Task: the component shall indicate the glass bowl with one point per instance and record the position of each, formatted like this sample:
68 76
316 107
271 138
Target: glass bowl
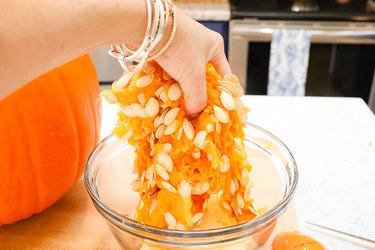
108 177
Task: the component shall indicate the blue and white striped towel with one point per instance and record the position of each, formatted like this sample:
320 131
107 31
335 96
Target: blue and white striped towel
290 50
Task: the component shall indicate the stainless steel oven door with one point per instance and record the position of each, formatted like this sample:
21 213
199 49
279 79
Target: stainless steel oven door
241 32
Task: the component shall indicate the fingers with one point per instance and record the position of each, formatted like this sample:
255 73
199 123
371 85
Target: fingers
219 61
195 92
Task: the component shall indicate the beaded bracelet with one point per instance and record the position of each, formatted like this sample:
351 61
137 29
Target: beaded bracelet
171 37
158 12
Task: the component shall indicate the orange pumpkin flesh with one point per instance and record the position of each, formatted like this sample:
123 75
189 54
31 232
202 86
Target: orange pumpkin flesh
47 130
164 197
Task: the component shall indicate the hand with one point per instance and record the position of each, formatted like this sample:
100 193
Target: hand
185 60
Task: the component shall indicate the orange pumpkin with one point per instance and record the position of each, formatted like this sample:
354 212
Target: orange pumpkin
47 130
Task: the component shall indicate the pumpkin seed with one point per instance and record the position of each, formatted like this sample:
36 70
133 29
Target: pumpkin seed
168 186
184 189
171 116
165 160
237 211
188 129
224 164
160 131
252 210
149 173
227 100
214 119
143 176
171 128
164 96
144 81
221 88
153 205
200 139
142 99
237 144
152 153
221 114
152 107
240 201
160 120
109 97
236 185
196 218
167 147
226 206
247 193
180 226
157 122
210 127
128 111
122 82
231 78
138 110
245 179
210 157
179 133
239 91
228 85
148 68
218 127
204 206
232 187
219 194
239 104
161 172
141 204
174 92
200 188
160 90
170 220
196 153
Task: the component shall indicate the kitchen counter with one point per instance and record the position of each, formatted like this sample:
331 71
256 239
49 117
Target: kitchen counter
332 140
206 11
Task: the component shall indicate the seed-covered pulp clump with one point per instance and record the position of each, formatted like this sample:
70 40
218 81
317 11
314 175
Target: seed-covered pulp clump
188 169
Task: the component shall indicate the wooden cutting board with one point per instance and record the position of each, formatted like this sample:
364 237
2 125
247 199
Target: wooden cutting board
73 223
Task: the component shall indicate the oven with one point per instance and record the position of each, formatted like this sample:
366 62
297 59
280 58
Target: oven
342 53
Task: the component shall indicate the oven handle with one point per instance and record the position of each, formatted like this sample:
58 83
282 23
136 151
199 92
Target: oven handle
321 32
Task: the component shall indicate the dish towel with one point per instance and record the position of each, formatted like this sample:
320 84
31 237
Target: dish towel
290 50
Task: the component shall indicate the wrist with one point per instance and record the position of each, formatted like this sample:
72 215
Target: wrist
160 18
169 34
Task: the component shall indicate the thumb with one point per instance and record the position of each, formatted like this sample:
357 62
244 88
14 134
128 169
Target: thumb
220 62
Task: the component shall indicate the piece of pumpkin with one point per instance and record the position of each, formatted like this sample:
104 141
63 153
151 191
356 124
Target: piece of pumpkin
47 130
189 169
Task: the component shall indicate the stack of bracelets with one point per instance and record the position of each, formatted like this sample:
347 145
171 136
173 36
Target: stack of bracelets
158 12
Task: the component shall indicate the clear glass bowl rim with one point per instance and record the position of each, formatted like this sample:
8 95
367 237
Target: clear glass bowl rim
255 224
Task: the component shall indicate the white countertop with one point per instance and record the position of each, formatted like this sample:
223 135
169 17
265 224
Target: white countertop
206 11
333 142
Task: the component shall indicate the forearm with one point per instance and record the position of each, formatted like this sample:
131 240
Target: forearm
38 35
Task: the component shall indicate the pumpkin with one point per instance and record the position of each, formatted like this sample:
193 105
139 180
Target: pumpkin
47 130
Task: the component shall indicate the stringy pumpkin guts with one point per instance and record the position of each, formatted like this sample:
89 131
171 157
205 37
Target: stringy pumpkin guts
189 170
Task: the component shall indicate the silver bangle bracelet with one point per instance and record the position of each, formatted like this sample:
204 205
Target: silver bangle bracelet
171 37
158 12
